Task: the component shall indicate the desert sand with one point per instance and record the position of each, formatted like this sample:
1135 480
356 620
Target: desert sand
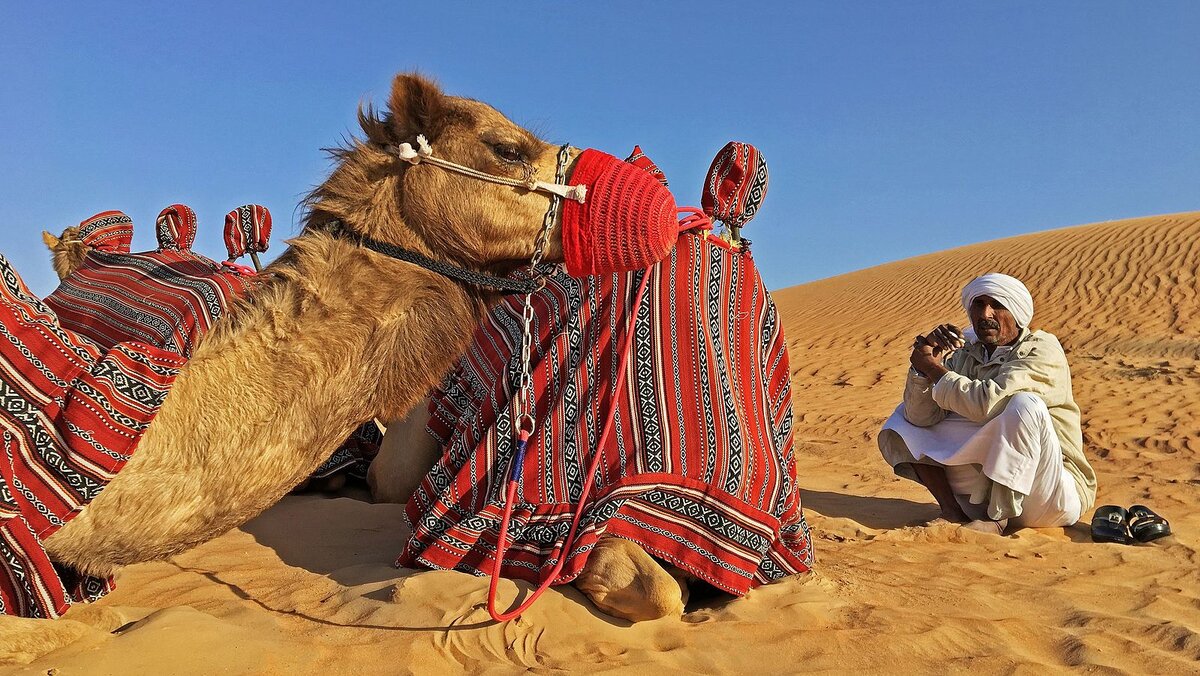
308 587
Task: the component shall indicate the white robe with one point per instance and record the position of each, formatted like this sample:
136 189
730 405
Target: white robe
1017 450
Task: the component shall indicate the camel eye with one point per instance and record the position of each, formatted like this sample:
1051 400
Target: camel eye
508 153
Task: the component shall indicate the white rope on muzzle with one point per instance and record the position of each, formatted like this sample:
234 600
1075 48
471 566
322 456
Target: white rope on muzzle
424 153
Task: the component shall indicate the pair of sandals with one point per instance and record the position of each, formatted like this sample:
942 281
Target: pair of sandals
1123 526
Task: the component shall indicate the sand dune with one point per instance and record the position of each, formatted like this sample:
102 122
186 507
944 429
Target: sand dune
309 586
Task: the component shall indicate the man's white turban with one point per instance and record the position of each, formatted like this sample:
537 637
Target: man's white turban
1009 291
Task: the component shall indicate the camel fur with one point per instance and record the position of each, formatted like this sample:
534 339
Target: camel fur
67 251
405 456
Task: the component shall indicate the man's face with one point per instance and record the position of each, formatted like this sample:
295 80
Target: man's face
993 323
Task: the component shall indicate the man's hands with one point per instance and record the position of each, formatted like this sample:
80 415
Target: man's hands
945 339
928 351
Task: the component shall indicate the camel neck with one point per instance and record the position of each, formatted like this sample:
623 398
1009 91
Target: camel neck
335 337
504 285
371 333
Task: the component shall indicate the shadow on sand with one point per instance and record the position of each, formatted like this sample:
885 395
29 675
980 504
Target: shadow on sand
351 541
872 512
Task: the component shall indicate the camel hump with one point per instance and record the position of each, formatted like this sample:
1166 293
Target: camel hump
175 228
247 230
107 231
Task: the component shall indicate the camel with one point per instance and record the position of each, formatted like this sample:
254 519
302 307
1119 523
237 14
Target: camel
618 576
67 251
337 335
323 344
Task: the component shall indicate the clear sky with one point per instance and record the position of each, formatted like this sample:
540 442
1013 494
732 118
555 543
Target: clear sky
890 128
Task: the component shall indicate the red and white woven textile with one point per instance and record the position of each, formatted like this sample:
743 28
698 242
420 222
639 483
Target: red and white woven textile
167 298
736 184
170 299
247 230
71 414
107 231
699 469
175 228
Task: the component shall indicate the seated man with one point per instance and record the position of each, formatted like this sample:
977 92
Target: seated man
988 422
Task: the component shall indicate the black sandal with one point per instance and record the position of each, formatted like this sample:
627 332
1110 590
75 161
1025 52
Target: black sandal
1110 524
1145 525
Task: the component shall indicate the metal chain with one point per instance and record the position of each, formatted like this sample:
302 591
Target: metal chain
524 409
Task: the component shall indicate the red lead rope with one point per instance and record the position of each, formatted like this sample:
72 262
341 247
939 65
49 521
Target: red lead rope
511 494
696 219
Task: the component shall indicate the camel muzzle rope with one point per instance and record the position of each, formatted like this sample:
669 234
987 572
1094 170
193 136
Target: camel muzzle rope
423 153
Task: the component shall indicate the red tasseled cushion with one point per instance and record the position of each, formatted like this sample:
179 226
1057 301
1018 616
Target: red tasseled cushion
176 227
736 184
247 229
638 159
107 231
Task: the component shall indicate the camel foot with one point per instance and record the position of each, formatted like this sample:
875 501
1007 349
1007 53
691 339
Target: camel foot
626 582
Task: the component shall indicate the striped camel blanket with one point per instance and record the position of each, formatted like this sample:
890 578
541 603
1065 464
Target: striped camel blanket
170 298
699 469
71 413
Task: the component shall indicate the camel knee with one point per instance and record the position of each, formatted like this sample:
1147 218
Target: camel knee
406 455
626 582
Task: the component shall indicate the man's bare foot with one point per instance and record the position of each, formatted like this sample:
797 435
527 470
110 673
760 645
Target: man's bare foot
954 516
987 526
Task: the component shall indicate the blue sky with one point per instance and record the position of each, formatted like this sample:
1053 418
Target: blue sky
890 128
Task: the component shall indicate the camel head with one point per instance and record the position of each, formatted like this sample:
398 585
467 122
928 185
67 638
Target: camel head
67 251
445 214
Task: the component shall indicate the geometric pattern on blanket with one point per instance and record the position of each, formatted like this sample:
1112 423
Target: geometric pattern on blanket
71 413
167 298
699 469
247 230
736 184
107 231
354 456
175 228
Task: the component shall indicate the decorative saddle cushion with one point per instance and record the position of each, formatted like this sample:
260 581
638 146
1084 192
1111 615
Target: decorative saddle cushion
247 230
108 231
175 228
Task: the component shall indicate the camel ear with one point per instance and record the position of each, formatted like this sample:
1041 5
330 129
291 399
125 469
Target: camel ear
50 240
417 105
